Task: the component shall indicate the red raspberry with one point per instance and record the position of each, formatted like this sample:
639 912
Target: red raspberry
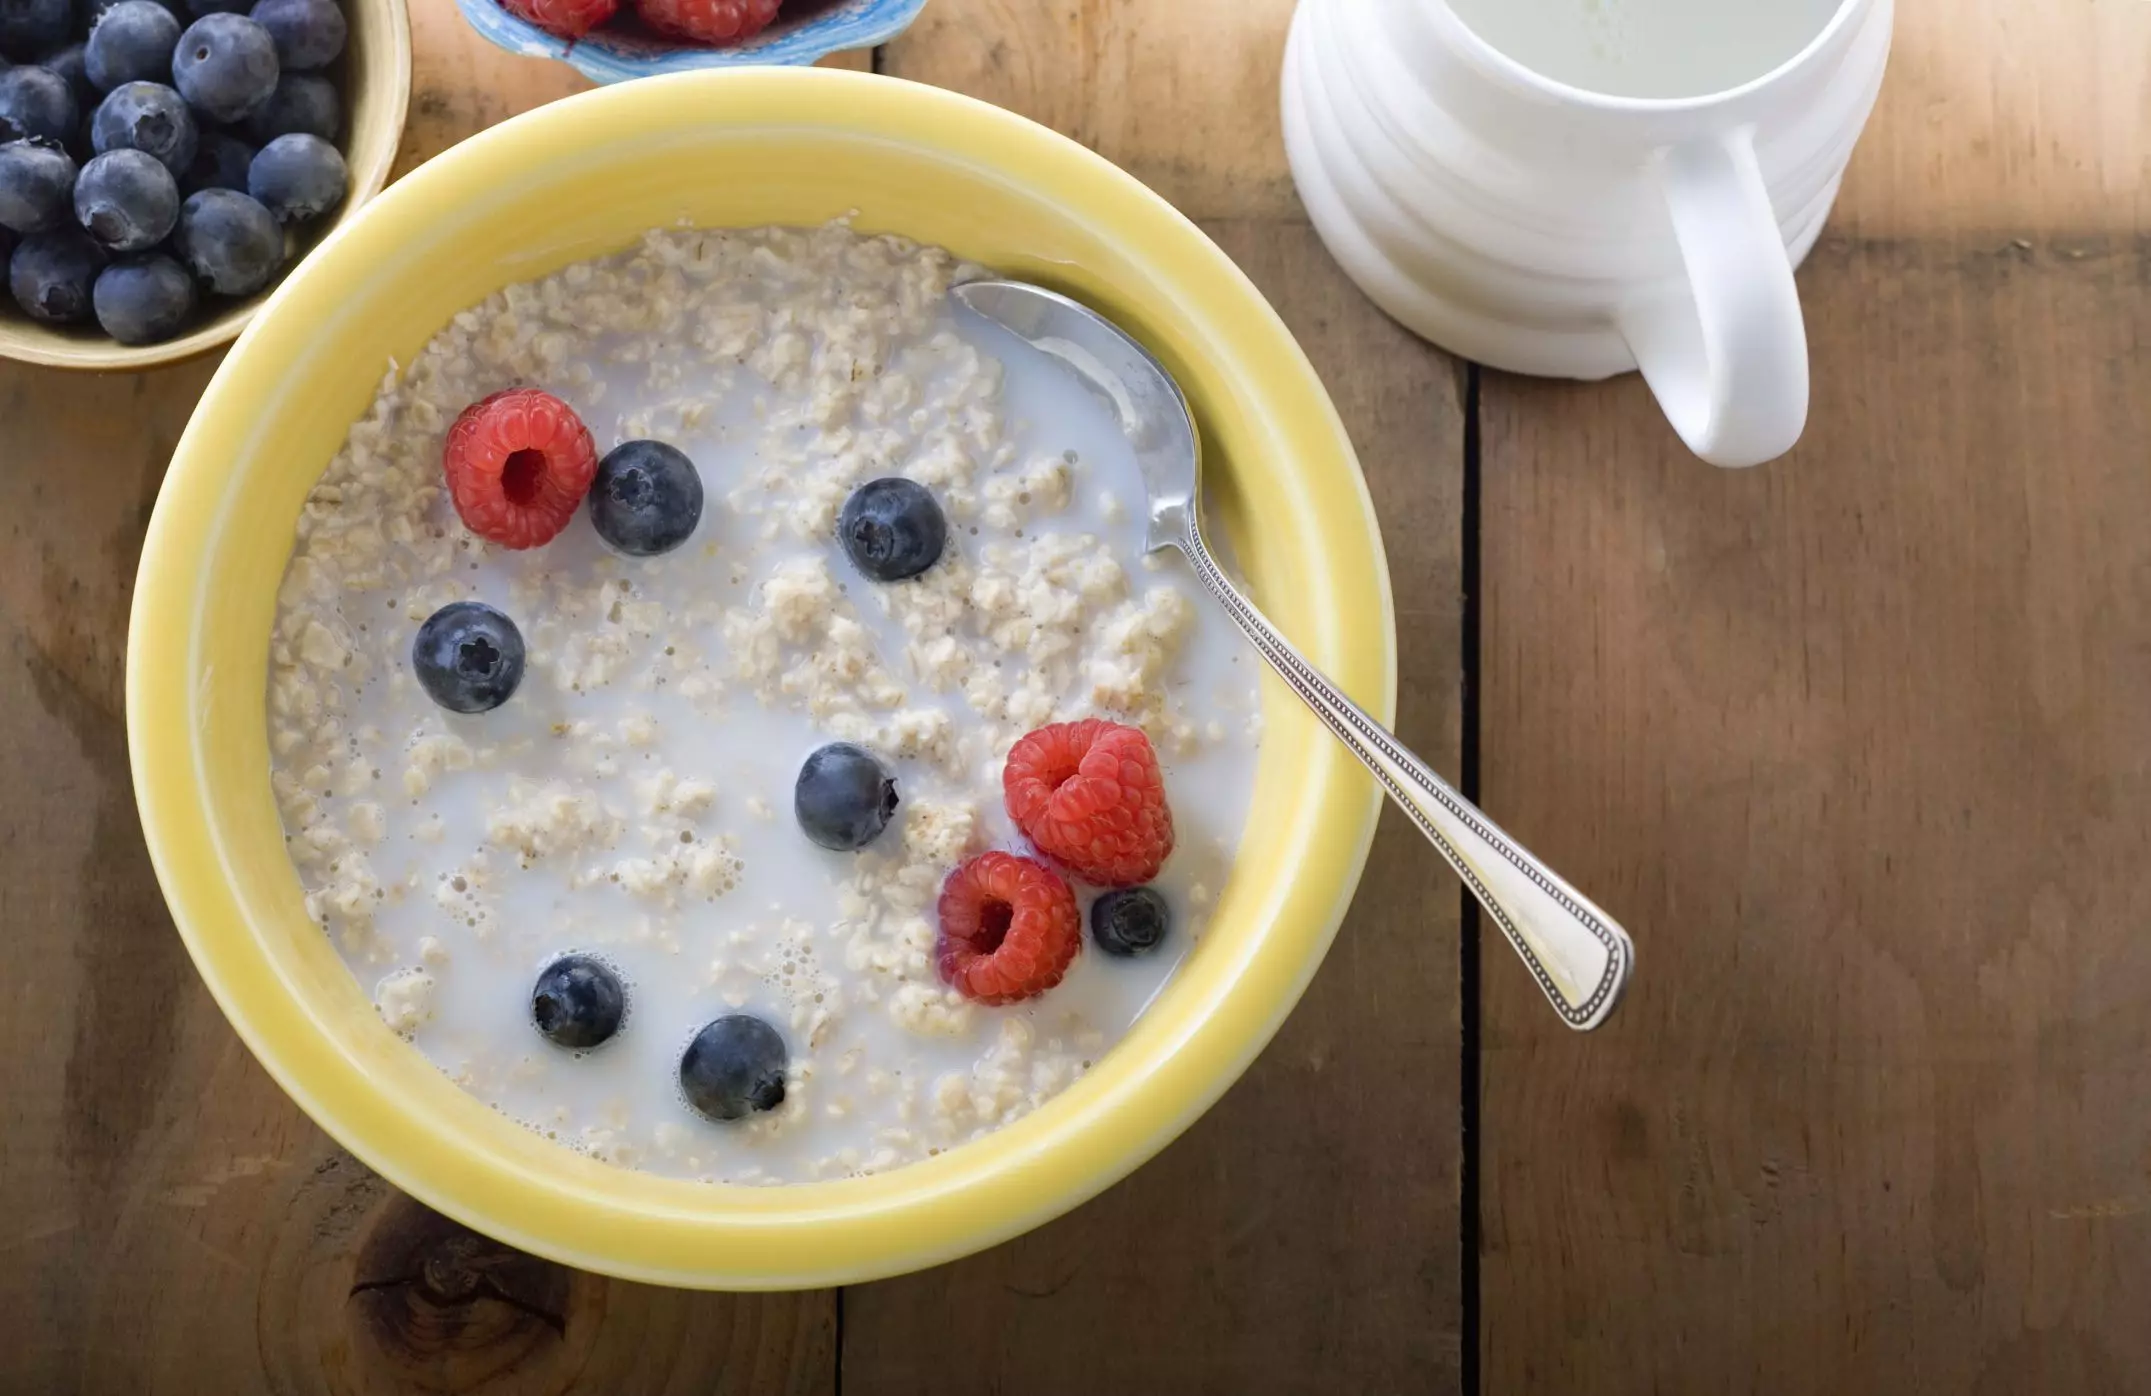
518 465
708 21
570 19
1009 928
1090 796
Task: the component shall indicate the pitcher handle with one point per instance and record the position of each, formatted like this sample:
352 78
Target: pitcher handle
1727 360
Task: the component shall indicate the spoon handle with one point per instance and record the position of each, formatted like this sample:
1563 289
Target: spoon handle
1578 954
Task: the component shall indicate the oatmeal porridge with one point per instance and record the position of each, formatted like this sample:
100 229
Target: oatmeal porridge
690 834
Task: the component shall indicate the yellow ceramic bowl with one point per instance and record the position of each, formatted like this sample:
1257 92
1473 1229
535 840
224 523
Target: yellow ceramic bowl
374 74
588 176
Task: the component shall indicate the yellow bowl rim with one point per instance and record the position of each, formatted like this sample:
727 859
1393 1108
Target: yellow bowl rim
967 1198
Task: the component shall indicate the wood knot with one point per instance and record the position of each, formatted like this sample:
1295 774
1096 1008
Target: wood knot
449 1309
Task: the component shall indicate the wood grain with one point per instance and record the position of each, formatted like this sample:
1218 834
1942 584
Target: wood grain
1855 745
2023 117
1302 1236
1181 95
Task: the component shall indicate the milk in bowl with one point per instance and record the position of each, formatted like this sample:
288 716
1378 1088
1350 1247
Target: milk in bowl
667 790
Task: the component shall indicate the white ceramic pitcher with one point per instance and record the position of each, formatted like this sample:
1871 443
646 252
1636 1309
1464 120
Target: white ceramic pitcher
1620 184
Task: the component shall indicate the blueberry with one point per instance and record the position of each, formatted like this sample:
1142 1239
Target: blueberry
52 275
1130 922
843 798
579 1002
225 66
892 529
646 499
34 102
308 33
297 178
201 9
468 657
132 43
127 200
734 1067
230 243
304 104
143 300
71 66
220 162
35 181
29 27
146 116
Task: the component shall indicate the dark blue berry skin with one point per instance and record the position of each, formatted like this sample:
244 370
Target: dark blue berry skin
309 34
843 799
52 276
201 9
71 65
127 200
297 178
892 529
132 43
734 1067
304 104
230 243
36 180
578 1003
220 162
144 300
468 657
225 66
36 103
31 27
1130 922
146 116
646 498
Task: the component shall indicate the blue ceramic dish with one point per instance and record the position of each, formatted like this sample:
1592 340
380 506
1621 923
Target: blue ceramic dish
616 56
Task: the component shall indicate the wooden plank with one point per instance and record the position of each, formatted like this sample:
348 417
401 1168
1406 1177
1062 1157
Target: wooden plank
1303 1236
173 1223
2029 115
1183 96
1854 744
460 84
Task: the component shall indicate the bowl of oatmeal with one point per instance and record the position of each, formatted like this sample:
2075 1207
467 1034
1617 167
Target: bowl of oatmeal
657 729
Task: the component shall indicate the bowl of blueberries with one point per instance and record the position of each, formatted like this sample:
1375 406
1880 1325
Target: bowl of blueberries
163 162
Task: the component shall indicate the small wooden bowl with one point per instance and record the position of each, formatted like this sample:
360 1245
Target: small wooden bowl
374 75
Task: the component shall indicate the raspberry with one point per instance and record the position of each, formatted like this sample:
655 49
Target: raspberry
1009 928
1090 796
570 19
708 21
518 465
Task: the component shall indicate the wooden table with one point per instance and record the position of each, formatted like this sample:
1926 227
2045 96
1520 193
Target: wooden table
1858 744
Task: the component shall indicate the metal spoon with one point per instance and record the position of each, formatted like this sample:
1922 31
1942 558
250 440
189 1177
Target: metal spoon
1579 956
